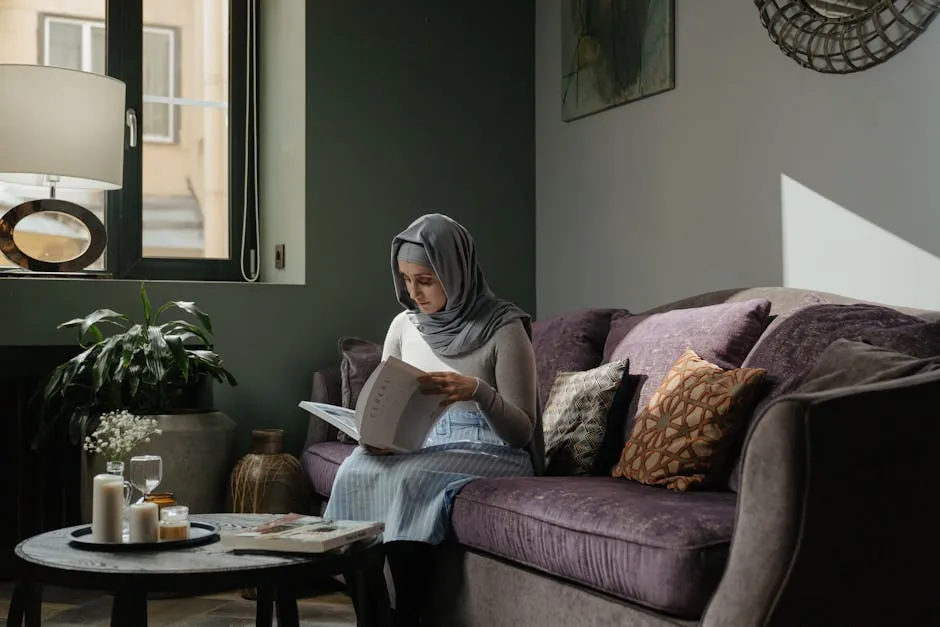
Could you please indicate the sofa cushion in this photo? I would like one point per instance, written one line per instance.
(722, 334)
(570, 342)
(847, 363)
(680, 441)
(790, 347)
(321, 461)
(575, 417)
(359, 358)
(657, 548)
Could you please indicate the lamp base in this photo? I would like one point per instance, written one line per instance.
(97, 237)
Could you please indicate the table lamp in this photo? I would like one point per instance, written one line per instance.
(59, 129)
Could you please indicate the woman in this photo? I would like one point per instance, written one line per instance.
(477, 351)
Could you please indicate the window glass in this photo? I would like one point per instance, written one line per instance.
(186, 149)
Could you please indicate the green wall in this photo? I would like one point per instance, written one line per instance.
(412, 107)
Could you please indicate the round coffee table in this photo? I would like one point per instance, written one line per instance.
(49, 559)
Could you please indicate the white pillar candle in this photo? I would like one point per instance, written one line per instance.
(144, 522)
(107, 508)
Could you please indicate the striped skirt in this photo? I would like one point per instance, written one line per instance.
(412, 493)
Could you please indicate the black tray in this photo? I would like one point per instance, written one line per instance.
(199, 533)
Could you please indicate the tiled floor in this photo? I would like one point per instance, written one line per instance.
(72, 608)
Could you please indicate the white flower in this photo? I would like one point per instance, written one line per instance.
(118, 433)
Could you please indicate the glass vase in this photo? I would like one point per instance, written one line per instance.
(113, 467)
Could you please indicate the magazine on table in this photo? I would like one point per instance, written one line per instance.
(298, 533)
(391, 412)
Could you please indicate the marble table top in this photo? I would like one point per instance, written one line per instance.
(52, 550)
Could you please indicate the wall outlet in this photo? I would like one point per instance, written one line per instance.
(279, 256)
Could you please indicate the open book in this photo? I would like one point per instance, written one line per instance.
(297, 533)
(391, 412)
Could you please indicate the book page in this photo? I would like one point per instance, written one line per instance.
(392, 412)
(418, 417)
(342, 418)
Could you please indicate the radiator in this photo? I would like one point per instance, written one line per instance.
(39, 488)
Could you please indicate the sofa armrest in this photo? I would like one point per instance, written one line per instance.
(327, 388)
(835, 522)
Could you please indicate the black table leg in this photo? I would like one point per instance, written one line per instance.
(34, 605)
(369, 594)
(129, 608)
(264, 606)
(25, 604)
(287, 615)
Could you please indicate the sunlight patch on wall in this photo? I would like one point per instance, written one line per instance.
(828, 248)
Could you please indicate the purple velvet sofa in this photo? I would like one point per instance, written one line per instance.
(825, 518)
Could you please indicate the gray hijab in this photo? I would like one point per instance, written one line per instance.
(472, 313)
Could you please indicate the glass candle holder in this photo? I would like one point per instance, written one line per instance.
(174, 522)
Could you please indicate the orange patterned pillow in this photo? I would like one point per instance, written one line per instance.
(680, 440)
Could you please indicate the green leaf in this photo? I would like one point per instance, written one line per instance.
(127, 355)
(179, 354)
(89, 323)
(157, 353)
(68, 324)
(214, 366)
(131, 343)
(210, 358)
(75, 365)
(78, 424)
(191, 308)
(186, 331)
(147, 306)
(134, 379)
(104, 364)
(54, 384)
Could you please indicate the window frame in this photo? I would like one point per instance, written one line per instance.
(124, 207)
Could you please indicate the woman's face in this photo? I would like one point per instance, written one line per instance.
(423, 286)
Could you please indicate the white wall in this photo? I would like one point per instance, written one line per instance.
(283, 136)
(828, 248)
(682, 193)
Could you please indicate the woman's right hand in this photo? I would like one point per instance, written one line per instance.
(377, 451)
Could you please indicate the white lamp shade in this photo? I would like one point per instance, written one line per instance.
(60, 122)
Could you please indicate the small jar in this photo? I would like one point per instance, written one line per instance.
(174, 522)
(162, 499)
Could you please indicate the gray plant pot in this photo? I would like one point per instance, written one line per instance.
(196, 450)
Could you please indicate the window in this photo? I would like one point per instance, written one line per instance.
(187, 183)
(74, 44)
(80, 45)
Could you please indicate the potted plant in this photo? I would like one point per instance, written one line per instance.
(163, 370)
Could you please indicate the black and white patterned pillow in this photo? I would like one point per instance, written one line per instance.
(575, 417)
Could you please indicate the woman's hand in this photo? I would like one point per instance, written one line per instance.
(455, 387)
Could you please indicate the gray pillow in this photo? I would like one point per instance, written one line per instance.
(846, 363)
(360, 358)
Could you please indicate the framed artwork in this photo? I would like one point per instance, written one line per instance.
(615, 52)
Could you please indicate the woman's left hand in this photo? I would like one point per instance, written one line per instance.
(455, 387)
